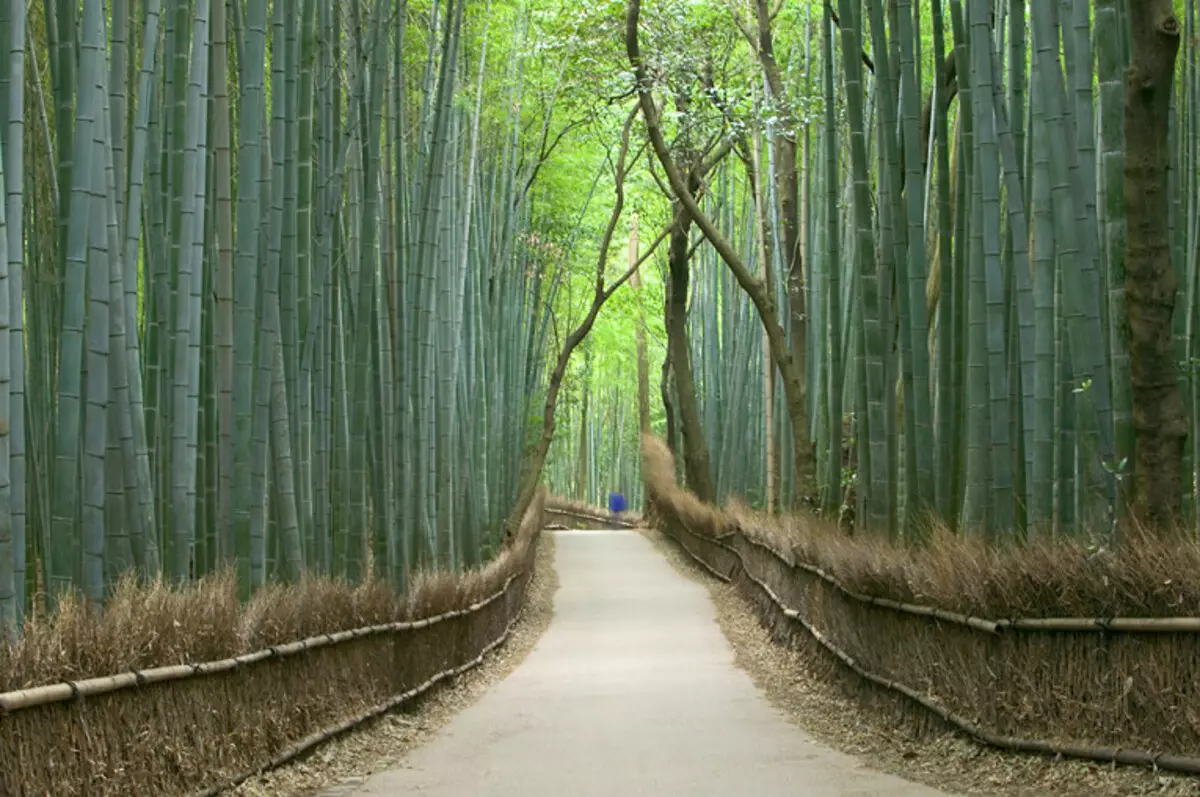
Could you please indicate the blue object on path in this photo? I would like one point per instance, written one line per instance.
(617, 503)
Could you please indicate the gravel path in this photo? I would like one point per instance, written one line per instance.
(633, 690)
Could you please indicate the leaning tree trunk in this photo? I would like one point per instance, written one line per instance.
(535, 459)
(695, 449)
(1150, 282)
(760, 293)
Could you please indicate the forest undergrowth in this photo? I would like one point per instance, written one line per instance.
(156, 624)
(1043, 576)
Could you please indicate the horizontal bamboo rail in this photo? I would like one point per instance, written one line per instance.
(1164, 761)
(700, 560)
(1137, 625)
(320, 737)
(625, 524)
(71, 690)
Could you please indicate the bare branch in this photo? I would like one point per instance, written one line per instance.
(662, 236)
(755, 288)
(546, 150)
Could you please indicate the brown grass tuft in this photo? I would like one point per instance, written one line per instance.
(1045, 577)
(142, 626)
(658, 471)
(1146, 576)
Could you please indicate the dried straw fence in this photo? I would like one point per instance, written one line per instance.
(590, 518)
(201, 728)
(1120, 690)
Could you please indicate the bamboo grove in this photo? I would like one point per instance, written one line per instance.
(993, 204)
(284, 281)
(270, 295)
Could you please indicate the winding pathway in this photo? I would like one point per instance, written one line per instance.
(631, 691)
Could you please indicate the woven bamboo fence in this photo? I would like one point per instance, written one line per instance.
(1108, 689)
(575, 519)
(202, 728)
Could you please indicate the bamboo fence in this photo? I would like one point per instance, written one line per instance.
(741, 572)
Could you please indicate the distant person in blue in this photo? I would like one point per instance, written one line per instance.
(617, 503)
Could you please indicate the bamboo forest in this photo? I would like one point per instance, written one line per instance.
(288, 287)
(314, 314)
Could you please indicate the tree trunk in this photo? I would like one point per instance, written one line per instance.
(787, 186)
(668, 407)
(581, 469)
(1150, 282)
(760, 293)
(695, 449)
(766, 257)
(784, 145)
(643, 367)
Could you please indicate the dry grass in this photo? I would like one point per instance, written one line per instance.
(1125, 690)
(658, 471)
(1045, 577)
(152, 625)
(180, 736)
(159, 624)
(143, 626)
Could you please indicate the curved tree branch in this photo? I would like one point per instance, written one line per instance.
(601, 294)
(758, 291)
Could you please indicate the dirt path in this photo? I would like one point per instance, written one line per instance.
(632, 691)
